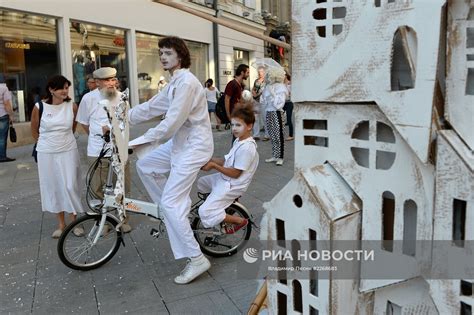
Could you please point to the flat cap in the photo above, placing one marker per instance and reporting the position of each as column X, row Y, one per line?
column 104, row 73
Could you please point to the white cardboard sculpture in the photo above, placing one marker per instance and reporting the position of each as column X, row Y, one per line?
column 454, row 193
column 317, row 217
column 460, row 69
column 366, row 77
column 352, row 63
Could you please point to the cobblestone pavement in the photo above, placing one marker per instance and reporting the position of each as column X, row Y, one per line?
column 139, row 279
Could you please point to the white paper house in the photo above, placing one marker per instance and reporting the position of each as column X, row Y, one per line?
column 460, row 69
column 410, row 297
column 454, row 217
column 370, row 51
column 395, row 187
column 317, row 204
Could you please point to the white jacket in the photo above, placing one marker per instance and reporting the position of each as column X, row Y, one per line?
column 274, row 96
column 187, row 121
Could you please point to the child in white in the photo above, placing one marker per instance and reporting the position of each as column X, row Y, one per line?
column 234, row 174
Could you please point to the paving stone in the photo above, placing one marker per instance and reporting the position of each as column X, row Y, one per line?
column 210, row 303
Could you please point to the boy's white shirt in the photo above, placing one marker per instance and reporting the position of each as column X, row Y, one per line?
column 243, row 156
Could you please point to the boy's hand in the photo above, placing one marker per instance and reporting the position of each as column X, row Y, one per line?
column 208, row 166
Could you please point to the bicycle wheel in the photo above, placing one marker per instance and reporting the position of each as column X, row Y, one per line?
column 217, row 244
column 79, row 252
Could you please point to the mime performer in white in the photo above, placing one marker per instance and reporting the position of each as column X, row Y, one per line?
column 186, row 144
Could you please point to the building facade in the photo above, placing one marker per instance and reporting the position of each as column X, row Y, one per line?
column 38, row 40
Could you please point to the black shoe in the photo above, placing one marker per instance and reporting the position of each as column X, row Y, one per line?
column 7, row 159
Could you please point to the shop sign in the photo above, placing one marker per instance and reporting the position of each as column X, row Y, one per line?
column 17, row 45
column 227, row 72
column 119, row 41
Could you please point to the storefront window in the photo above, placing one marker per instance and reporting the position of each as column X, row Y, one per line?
column 94, row 46
column 28, row 57
column 150, row 69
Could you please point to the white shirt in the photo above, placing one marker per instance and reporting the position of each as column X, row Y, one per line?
column 243, row 156
column 274, row 96
column 211, row 95
column 90, row 113
column 187, row 121
column 5, row 95
column 55, row 131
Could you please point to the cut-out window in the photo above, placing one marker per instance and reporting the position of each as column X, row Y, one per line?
column 384, row 133
column 469, row 37
column 466, row 309
column 409, row 227
column 295, row 249
column 329, row 17
column 317, row 124
column 466, row 288
column 361, row 131
column 470, row 16
column 459, row 222
column 298, row 201
column 313, row 311
column 469, row 57
column 316, row 141
column 313, row 274
column 470, row 81
column 280, row 232
column 361, row 156
column 377, row 3
column 388, row 220
column 403, row 63
column 297, row 297
column 379, row 147
column 282, row 303
column 281, row 273
column 393, row 309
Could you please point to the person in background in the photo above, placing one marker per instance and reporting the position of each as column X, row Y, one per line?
column 257, row 90
column 6, row 118
column 274, row 97
column 233, row 90
column 288, row 108
column 162, row 84
column 212, row 93
column 58, row 157
column 91, row 85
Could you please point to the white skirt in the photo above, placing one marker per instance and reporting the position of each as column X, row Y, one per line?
column 59, row 179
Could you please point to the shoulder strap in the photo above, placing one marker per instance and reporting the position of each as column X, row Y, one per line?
column 40, row 103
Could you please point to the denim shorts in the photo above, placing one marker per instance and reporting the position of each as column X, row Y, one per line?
column 211, row 107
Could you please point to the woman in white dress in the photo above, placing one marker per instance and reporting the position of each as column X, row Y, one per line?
column 58, row 157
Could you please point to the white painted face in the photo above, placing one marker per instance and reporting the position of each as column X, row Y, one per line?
column 169, row 59
column 238, row 127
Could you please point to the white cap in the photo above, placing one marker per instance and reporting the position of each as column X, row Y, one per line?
column 162, row 78
column 105, row 73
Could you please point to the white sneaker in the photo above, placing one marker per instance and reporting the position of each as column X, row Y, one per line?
column 194, row 268
column 271, row 160
column 279, row 162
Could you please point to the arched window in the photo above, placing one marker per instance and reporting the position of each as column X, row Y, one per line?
column 388, row 220
column 409, row 227
column 297, row 297
column 403, row 62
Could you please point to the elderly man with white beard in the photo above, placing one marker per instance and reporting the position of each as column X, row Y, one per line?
column 93, row 118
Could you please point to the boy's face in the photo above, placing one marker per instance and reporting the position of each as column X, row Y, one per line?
column 239, row 128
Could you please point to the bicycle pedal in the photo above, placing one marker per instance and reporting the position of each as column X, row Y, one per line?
column 155, row 233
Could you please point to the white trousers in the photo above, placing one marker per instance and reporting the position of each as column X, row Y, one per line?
column 172, row 193
column 212, row 211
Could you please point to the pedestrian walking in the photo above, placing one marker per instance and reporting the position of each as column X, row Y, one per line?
column 58, row 157
column 6, row 119
column 258, row 86
column 212, row 93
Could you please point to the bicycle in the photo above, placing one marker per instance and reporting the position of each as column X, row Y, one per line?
column 102, row 229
